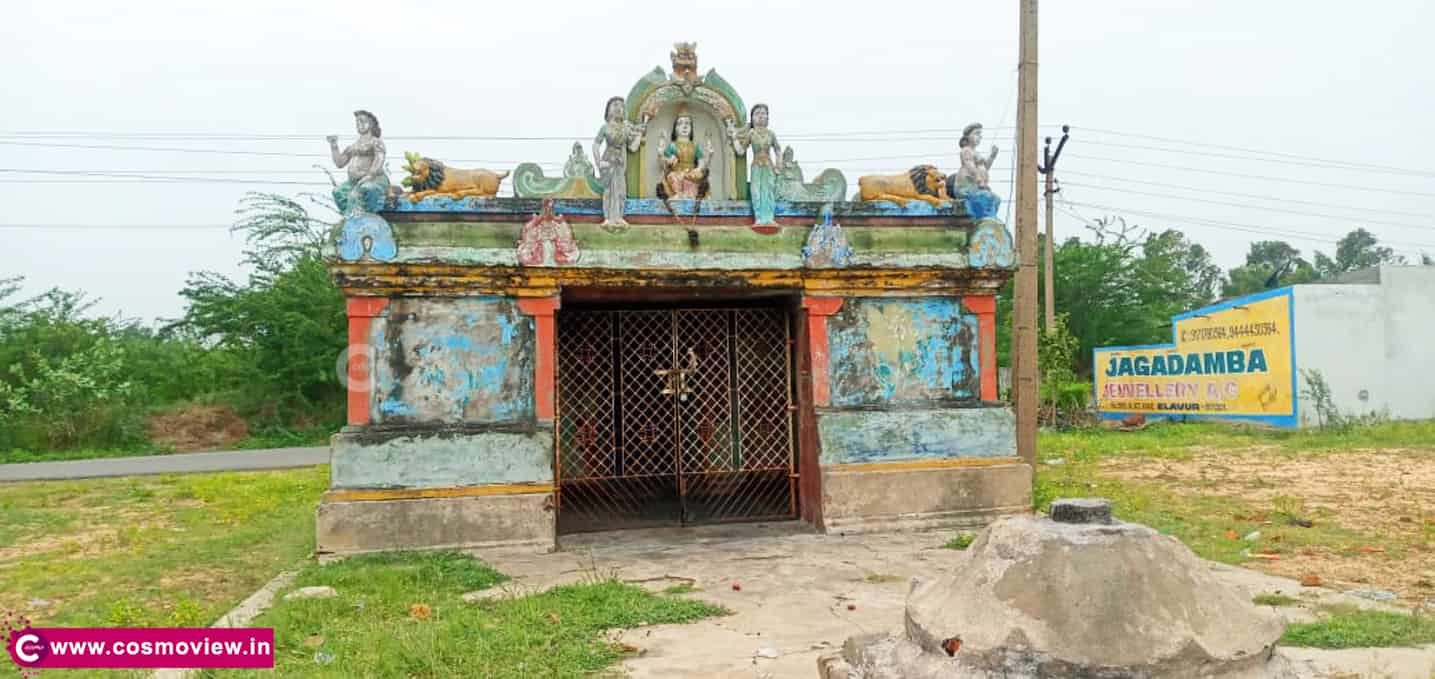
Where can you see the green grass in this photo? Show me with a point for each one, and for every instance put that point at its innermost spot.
(1175, 440)
(278, 437)
(1273, 599)
(369, 629)
(273, 437)
(960, 541)
(678, 590)
(1204, 521)
(175, 550)
(1351, 627)
(20, 455)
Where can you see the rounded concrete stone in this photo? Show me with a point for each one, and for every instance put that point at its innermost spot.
(1033, 597)
(1081, 510)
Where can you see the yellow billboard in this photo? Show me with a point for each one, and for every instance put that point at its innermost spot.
(1234, 359)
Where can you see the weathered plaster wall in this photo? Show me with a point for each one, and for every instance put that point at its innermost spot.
(670, 246)
(861, 436)
(444, 460)
(452, 360)
(888, 351)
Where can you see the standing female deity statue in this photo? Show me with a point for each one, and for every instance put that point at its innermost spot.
(972, 182)
(610, 151)
(686, 163)
(368, 184)
(766, 163)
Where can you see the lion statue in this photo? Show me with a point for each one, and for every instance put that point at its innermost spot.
(429, 177)
(923, 182)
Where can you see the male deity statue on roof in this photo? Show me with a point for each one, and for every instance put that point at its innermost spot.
(766, 163)
(972, 183)
(367, 187)
(610, 152)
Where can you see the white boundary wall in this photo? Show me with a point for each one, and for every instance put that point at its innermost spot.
(1373, 343)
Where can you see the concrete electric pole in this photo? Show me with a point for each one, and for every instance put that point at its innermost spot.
(1049, 170)
(1024, 364)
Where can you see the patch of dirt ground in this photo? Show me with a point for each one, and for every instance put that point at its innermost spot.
(197, 428)
(1387, 496)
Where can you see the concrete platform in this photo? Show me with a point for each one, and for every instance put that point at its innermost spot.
(802, 593)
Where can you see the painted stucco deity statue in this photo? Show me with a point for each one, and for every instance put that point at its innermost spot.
(972, 183)
(686, 163)
(610, 152)
(367, 187)
(577, 164)
(766, 163)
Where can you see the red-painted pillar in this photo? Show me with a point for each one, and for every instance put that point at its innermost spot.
(542, 310)
(361, 312)
(818, 309)
(985, 307)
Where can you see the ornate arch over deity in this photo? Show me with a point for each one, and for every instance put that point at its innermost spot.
(709, 101)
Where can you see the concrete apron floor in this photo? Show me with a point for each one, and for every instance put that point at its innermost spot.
(801, 593)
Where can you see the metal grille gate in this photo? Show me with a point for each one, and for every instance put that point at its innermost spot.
(674, 416)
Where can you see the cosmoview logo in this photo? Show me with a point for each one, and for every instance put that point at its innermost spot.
(30, 647)
(26, 647)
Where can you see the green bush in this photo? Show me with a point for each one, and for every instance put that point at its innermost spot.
(265, 346)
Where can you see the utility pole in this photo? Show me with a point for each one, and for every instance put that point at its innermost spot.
(1049, 169)
(1024, 299)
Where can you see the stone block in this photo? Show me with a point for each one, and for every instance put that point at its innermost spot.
(871, 498)
(473, 521)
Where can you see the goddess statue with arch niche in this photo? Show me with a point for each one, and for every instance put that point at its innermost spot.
(610, 152)
(766, 163)
(686, 163)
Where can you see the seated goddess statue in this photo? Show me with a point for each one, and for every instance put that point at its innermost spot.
(686, 163)
(367, 188)
(972, 184)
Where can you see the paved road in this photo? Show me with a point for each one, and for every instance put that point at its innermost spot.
(179, 463)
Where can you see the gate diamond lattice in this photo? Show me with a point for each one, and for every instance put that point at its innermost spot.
(674, 416)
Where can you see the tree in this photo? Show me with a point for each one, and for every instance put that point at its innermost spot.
(1269, 264)
(1358, 249)
(286, 323)
(1122, 285)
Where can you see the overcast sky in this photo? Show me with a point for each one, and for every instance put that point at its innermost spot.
(1348, 88)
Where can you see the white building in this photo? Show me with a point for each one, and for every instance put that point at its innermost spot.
(1371, 335)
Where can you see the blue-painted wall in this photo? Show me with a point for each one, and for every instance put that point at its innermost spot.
(888, 351)
(453, 360)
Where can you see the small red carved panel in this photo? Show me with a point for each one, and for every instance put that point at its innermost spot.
(546, 228)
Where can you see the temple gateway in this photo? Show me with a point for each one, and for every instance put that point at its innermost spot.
(679, 328)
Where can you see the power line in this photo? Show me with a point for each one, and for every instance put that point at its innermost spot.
(1342, 163)
(1233, 226)
(115, 227)
(1250, 195)
(1257, 176)
(1248, 206)
(287, 136)
(1327, 165)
